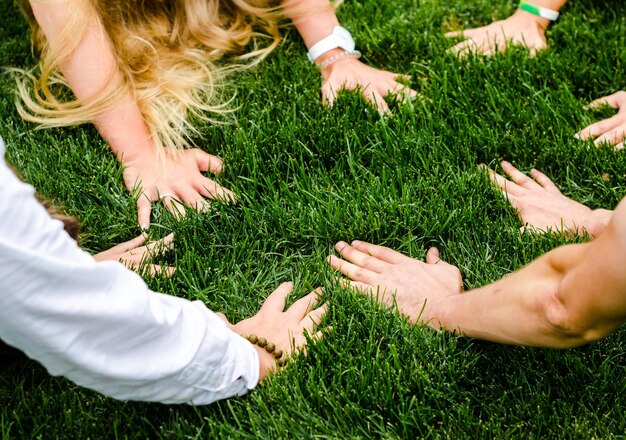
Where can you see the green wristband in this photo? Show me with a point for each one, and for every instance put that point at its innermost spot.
(548, 14)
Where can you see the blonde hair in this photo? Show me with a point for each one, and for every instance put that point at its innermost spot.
(168, 53)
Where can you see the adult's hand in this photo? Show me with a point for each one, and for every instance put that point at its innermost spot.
(373, 84)
(611, 131)
(521, 29)
(285, 328)
(416, 287)
(134, 254)
(176, 179)
(541, 205)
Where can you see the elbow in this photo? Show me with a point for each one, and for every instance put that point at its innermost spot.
(568, 327)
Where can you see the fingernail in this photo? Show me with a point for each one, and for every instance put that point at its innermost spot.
(481, 166)
(577, 136)
(169, 236)
(356, 243)
(340, 245)
(144, 226)
(505, 163)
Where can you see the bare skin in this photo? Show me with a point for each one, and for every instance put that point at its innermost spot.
(285, 328)
(92, 66)
(521, 29)
(135, 255)
(611, 131)
(570, 296)
(543, 208)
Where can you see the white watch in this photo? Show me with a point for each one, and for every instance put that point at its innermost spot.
(339, 38)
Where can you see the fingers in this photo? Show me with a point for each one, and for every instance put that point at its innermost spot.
(174, 206)
(377, 99)
(432, 256)
(508, 187)
(305, 304)
(328, 94)
(275, 302)
(381, 252)
(208, 188)
(154, 270)
(160, 246)
(359, 258)
(464, 47)
(144, 207)
(616, 100)
(518, 177)
(613, 137)
(465, 33)
(127, 245)
(362, 288)
(208, 162)
(314, 318)
(194, 199)
(352, 271)
(544, 181)
(599, 128)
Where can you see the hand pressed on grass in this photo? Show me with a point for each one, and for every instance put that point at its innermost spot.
(179, 176)
(373, 84)
(611, 131)
(416, 287)
(285, 328)
(521, 29)
(542, 207)
(134, 254)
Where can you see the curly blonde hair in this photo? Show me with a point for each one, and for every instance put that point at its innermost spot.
(168, 53)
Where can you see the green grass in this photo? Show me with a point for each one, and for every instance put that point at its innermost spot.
(308, 176)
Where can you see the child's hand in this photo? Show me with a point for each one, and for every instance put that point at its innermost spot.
(521, 29)
(373, 84)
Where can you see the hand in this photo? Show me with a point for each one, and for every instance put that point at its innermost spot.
(521, 28)
(133, 254)
(286, 329)
(177, 179)
(373, 84)
(611, 131)
(417, 288)
(541, 205)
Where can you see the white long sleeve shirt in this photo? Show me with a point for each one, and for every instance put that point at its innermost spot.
(99, 325)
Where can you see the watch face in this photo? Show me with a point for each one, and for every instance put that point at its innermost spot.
(344, 39)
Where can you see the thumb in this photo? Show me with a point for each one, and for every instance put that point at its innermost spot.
(432, 256)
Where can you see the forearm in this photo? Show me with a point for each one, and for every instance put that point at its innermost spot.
(91, 69)
(514, 310)
(314, 19)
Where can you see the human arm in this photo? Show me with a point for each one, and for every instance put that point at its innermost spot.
(316, 20)
(91, 69)
(542, 207)
(611, 131)
(522, 28)
(570, 296)
(100, 326)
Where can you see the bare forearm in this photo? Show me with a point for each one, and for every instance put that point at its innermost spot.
(314, 19)
(91, 69)
(513, 310)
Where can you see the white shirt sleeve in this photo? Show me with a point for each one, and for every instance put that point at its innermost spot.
(99, 325)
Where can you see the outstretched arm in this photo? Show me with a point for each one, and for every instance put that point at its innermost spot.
(92, 69)
(572, 295)
(523, 28)
(315, 20)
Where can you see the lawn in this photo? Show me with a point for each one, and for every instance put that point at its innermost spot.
(308, 176)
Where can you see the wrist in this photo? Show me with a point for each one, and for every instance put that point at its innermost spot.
(530, 15)
(334, 58)
(598, 221)
(531, 19)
